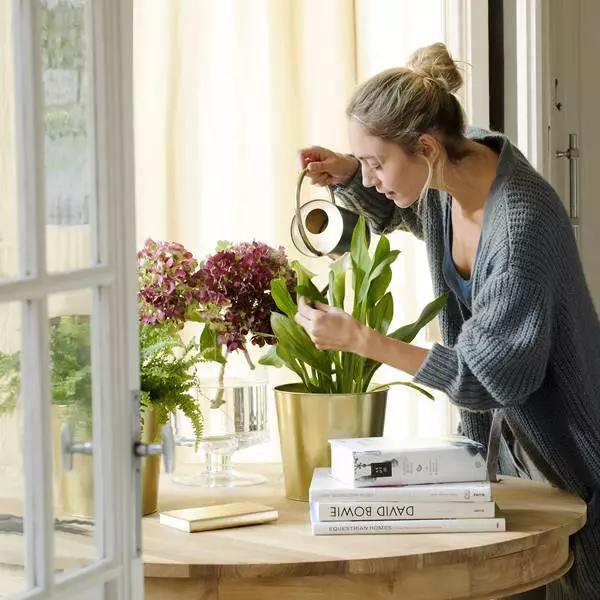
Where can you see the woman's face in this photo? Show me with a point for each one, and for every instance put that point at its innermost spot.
(387, 167)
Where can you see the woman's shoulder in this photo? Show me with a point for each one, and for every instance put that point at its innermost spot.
(526, 219)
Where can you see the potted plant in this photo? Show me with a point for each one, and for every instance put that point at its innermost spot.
(71, 390)
(336, 396)
(168, 293)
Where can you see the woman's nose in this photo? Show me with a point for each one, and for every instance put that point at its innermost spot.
(369, 180)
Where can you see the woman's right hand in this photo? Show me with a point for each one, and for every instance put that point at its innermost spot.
(326, 167)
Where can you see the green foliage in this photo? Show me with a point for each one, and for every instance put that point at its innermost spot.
(70, 362)
(168, 373)
(10, 381)
(324, 371)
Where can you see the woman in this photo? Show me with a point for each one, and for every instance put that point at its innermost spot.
(521, 336)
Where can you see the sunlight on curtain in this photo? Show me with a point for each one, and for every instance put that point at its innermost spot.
(227, 91)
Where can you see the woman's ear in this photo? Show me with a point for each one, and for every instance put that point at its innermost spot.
(430, 147)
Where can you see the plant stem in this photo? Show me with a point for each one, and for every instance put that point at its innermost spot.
(248, 359)
(218, 399)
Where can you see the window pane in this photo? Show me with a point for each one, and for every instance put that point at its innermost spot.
(67, 133)
(12, 539)
(9, 236)
(71, 369)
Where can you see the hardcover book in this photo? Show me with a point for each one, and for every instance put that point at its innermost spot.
(376, 461)
(414, 526)
(395, 511)
(324, 487)
(218, 516)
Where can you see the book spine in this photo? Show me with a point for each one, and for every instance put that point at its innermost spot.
(392, 511)
(418, 526)
(422, 493)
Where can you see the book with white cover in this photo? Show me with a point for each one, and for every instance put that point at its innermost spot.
(414, 526)
(324, 487)
(375, 461)
(394, 511)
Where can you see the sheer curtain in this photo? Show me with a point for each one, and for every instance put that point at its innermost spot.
(225, 93)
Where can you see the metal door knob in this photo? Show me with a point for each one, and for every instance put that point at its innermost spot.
(167, 448)
(68, 447)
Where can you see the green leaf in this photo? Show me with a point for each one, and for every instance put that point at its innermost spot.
(311, 294)
(379, 286)
(374, 273)
(337, 280)
(359, 247)
(361, 261)
(282, 297)
(223, 245)
(305, 286)
(407, 333)
(303, 274)
(209, 347)
(409, 384)
(270, 358)
(295, 340)
(380, 316)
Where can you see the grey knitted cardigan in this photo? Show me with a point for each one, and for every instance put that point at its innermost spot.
(531, 346)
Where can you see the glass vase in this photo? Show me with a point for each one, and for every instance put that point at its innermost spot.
(235, 418)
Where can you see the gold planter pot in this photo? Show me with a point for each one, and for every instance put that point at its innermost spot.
(307, 421)
(150, 464)
(74, 490)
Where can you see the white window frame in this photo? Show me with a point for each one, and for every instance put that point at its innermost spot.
(118, 575)
(466, 34)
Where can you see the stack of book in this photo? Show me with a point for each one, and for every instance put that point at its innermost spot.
(383, 485)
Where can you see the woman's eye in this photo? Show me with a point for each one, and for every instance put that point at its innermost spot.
(375, 167)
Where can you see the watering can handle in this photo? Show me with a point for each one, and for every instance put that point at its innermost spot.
(299, 222)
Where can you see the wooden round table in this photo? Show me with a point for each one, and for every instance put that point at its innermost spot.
(283, 560)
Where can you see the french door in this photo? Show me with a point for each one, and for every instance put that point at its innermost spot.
(68, 329)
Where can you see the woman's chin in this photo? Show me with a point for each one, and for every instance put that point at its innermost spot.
(402, 202)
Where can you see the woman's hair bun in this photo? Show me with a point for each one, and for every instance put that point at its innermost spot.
(435, 65)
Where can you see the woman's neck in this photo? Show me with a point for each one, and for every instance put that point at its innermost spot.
(469, 181)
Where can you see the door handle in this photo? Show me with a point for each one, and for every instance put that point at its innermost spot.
(167, 448)
(572, 155)
(69, 447)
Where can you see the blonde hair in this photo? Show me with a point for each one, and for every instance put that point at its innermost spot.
(401, 104)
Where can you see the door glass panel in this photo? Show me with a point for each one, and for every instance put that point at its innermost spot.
(12, 539)
(71, 371)
(9, 231)
(66, 108)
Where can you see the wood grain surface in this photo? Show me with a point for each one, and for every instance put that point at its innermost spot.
(284, 560)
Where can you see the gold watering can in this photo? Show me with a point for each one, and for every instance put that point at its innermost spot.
(321, 227)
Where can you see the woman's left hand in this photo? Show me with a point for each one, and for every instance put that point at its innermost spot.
(331, 328)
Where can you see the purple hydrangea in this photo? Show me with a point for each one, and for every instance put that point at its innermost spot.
(168, 282)
(235, 292)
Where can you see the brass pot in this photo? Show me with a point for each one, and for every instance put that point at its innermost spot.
(74, 489)
(308, 421)
(150, 434)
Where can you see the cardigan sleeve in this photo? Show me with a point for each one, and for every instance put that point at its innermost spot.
(501, 354)
(382, 215)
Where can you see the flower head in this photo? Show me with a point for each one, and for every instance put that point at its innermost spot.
(168, 278)
(235, 292)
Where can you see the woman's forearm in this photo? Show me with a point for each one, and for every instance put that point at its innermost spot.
(399, 355)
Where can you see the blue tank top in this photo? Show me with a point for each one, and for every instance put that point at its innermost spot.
(455, 281)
